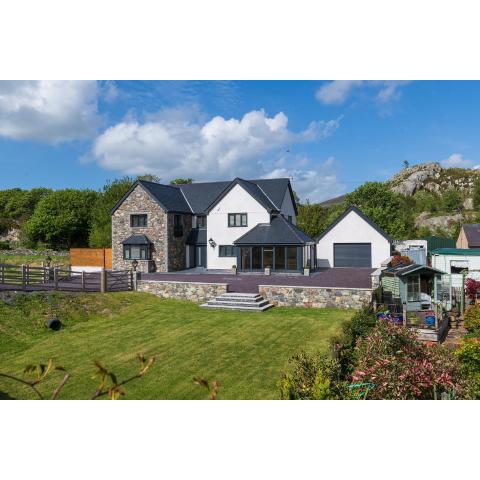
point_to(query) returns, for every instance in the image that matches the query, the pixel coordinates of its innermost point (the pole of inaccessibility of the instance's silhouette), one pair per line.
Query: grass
(245, 351)
(32, 260)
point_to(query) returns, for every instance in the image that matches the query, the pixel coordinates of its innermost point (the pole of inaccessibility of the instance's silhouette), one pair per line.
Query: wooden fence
(91, 257)
(30, 278)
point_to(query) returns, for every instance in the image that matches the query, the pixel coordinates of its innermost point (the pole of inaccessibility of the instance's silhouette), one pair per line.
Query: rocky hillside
(431, 178)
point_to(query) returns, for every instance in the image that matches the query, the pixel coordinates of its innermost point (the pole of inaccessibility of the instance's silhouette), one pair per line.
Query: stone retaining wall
(194, 291)
(315, 297)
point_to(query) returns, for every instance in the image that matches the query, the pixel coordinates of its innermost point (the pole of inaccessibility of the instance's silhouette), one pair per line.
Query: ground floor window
(227, 251)
(136, 252)
(413, 288)
(279, 258)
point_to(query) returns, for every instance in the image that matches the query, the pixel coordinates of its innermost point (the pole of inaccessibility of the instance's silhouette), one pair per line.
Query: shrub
(452, 200)
(311, 377)
(471, 319)
(468, 353)
(398, 259)
(472, 286)
(401, 367)
(4, 246)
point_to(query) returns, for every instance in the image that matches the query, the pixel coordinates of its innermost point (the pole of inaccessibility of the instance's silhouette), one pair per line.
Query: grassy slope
(246, 352)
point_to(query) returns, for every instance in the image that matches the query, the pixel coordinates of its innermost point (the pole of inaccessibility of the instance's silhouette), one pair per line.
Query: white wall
(353, 229)
(443, 262)
(287, 207)
(237, 200)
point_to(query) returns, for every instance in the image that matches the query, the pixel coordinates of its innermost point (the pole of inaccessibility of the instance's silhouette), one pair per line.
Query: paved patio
(248, 283)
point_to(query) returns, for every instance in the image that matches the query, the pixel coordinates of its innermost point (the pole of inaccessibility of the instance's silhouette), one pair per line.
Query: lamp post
(135, 265)
(48, 261)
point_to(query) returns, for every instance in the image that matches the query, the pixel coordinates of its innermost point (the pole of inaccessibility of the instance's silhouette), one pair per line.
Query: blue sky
(329, 137)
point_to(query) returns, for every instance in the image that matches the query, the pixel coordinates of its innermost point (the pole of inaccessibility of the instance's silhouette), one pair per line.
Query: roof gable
(362, 216)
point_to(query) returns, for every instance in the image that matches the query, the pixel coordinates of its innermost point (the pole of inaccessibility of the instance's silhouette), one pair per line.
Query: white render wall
(353, 229)
(287, 207)
(444, 262)
(237, 200)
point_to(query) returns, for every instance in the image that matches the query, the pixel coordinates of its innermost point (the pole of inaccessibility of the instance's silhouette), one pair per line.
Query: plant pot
(306, 272)
(267, 271)
(234, 270)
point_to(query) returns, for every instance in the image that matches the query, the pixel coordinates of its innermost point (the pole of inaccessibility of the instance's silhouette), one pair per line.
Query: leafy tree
(386, 208)
(452, 200)
(149, 177)
(424, 201)
(62, 219)
(476, 194)
(101, 231)
(19, 204)
(181, 181)
(406, 164)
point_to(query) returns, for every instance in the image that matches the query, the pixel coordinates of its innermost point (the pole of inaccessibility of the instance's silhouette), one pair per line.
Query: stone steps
(252, 302)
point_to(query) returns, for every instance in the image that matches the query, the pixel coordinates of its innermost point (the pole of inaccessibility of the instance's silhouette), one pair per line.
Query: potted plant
(234, 269)
(306, 269)
(268, 270)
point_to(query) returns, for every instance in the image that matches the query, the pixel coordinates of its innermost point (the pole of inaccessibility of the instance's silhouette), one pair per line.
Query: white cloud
(338, 91)
(48, 111)
(178, 143)
(313, 184)
(456, 160)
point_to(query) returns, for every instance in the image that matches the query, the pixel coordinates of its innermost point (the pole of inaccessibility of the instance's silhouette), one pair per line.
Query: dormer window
(201, 221)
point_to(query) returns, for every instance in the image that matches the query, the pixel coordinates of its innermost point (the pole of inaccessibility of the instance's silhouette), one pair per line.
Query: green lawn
(33, 260)
(245, 351)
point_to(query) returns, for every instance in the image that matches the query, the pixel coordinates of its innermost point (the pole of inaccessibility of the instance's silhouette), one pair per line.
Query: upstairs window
(138, 220)
(201, 221)
(177, 226)
(227, 251)
(237, 219)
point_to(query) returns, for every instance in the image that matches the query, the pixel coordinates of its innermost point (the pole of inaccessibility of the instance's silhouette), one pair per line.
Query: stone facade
(315, 297)
(167, 251)
(193, 291)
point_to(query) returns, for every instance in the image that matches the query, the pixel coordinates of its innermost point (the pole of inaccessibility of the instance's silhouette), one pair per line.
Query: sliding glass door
(278, 257)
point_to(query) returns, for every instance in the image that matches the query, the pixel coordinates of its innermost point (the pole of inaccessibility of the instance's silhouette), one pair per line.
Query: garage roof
(360, 214)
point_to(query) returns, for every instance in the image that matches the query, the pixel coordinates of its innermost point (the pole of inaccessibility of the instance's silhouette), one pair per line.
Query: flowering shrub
(471, 319)
(400, 367)
(472, 286)
(397, 259)
(468, 353)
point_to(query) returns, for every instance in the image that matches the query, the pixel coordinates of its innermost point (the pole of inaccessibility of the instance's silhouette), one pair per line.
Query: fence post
(103, 280)
(2, 273)
(55, 277)
(404, 314)
(83, 280)
(134, 279)
(24, 275)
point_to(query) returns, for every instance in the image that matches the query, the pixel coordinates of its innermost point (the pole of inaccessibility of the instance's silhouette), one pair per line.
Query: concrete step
(238, 307)
(223, 301)
(252, 302)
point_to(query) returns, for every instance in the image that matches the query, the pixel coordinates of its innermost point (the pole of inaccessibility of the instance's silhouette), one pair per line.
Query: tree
(476, 194)
(386, 208)
(19, 204)
(452, 200)
(149, 177)
(406, 164)
(101, 230)
(62, 219)
(181, 181)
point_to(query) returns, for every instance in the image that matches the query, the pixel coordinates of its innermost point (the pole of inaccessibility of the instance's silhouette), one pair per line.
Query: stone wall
(193, 291)
(315, 297)
(138, 202)
(177, 251)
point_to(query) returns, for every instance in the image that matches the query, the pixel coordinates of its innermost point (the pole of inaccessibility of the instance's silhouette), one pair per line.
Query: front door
(201, 256)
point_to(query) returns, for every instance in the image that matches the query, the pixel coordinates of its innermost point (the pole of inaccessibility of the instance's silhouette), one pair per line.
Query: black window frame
(127, 248)
(177, 226)
(201, 221)
(227, 251)
(233, 216)
(135, 217)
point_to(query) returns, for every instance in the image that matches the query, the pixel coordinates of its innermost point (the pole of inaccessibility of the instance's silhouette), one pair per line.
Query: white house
(457, 260)
(212, 225)
(353, 240)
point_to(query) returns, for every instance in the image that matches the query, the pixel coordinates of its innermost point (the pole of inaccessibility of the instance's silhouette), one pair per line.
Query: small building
(414, 294)
(416, 250)
(353, 240)
(434, 242)
(456, 260)
(469, 236)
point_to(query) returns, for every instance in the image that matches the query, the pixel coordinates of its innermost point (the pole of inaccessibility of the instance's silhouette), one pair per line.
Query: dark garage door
(352, 254)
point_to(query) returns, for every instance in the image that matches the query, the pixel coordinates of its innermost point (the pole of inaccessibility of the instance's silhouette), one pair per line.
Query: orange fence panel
(91, 257)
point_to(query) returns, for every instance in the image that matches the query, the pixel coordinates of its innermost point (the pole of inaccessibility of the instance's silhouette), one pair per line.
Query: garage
(352, 255)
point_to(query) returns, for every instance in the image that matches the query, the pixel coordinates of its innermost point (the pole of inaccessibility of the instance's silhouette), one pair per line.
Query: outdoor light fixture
(48, 261)
(212, 243)
(135, 265)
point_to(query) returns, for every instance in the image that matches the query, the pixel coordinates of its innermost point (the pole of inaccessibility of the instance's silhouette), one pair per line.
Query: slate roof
(472, 232)
(136, 240)
(198, 198)
(197, 236)
(401, 269)
(362, 215)
(278, 232)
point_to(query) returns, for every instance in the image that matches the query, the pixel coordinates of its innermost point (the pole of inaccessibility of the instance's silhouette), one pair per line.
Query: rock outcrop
(413, 179)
